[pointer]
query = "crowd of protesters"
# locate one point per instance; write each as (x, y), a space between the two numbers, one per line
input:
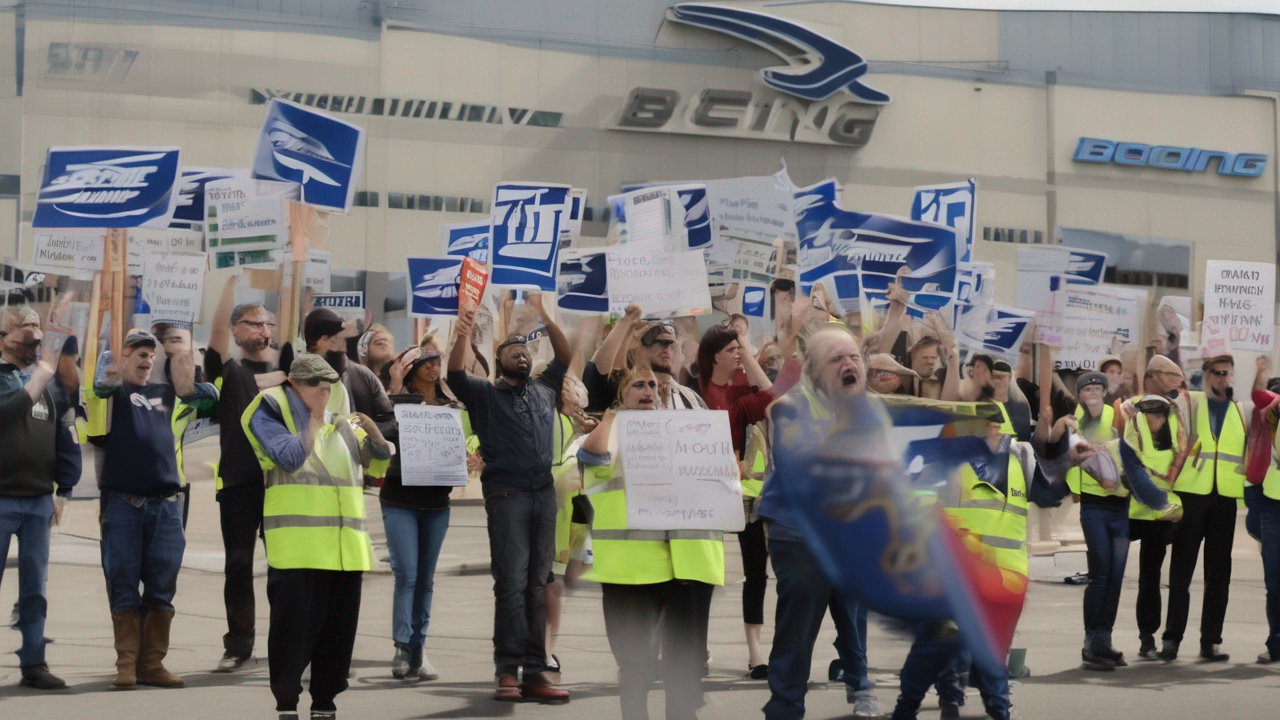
(305, 432)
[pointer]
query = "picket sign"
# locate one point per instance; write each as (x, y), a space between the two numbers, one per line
(1240, 297)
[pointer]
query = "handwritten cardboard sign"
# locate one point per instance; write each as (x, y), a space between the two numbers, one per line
(1240, 297)
(161, 240)
(432, 447)
(173, 285)
(664, 284)
(680, 470)
(69, 248)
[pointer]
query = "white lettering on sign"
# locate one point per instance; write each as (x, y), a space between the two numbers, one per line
(433, 448)
(1240, 299)
(680, 470)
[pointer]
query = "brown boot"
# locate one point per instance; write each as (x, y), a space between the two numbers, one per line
(155, 645)
(128, 637)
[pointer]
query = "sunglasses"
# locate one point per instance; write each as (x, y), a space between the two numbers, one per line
(1220, 373)
(258, 325)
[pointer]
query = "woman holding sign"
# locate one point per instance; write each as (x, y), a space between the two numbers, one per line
(646, 575)
(416, 518)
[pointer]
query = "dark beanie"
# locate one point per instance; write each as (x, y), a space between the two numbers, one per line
(321, 322)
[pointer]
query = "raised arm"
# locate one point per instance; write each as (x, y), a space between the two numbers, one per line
(559, 343)
(220, 334)
(597, 443)
(616, 339)
(755, 374)
(461, 338)
(1262, 373)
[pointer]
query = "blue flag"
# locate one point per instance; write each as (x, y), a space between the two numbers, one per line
(321, 153)
(525, 242)
(433, 286)
(108, 187)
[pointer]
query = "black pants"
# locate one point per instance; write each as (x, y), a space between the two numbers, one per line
(240, 508)
(522, 546)
(755, 564)
(314, 614)
(1211, 519)
(1155, 537)
(631, 614)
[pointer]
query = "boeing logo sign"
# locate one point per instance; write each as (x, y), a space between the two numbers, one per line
(818, 97)
(1169, 157)
(822, 68)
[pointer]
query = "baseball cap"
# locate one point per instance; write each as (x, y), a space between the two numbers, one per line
(1091, 378)
(309, 366)
(1109, 360)
(426, 357)
(137, 338)
(886, 363)
(1153, 403)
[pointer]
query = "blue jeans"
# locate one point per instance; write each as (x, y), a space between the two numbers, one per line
(29, 519)
(522, 546)
(1106, 535)
(934, 649)
(954, 678)
(804, 594)
(142, 543)
(414, 538)
(1269, 517)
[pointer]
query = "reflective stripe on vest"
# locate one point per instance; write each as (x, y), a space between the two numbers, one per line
(644, 557)
(1271, 483)
(1081, 482)
(998, 520)
(314, 518)
(1137, 435)
(1220, 464)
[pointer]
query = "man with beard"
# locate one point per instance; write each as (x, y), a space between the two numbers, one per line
(40, 459)
(833, 372)
(360, 391)
(515, 419)
(240, 481)
(656, 349)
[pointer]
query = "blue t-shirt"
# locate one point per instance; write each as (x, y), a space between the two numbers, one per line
(141, 455)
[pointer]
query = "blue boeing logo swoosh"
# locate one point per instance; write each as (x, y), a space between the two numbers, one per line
(818, 66)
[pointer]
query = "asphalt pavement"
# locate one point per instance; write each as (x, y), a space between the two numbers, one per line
(460, 643)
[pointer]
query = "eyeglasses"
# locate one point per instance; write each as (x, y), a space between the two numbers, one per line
(255, 325)
(1220, 373)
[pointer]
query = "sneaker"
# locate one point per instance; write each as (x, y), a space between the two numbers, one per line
(291, 715)
(400, 663)
(864, 704)
(427, 671)
(835, 670)
(1267, 658)
(553, 665)
(706, 666)
(39, 677)
(950, 712)
(758, 672)
(1096, 662)
(1213, 653)
(231, 662)
(1114, 655)
(1147, 651)
(324, 714)
(1169, 652)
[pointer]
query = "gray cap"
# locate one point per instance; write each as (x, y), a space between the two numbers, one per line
(312, 367)
(136, 338)
(1091, 378)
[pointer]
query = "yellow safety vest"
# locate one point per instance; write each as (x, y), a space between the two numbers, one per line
(1138, 436)
(314, 517)
(1081, 482)
(644, 557)
(1271, 482)
(97, 423)
(996, 520)
(751, 487)
(561, 437)
(1220, 462)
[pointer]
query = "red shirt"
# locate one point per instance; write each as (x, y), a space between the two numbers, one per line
(750, 406)
(722, 397)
